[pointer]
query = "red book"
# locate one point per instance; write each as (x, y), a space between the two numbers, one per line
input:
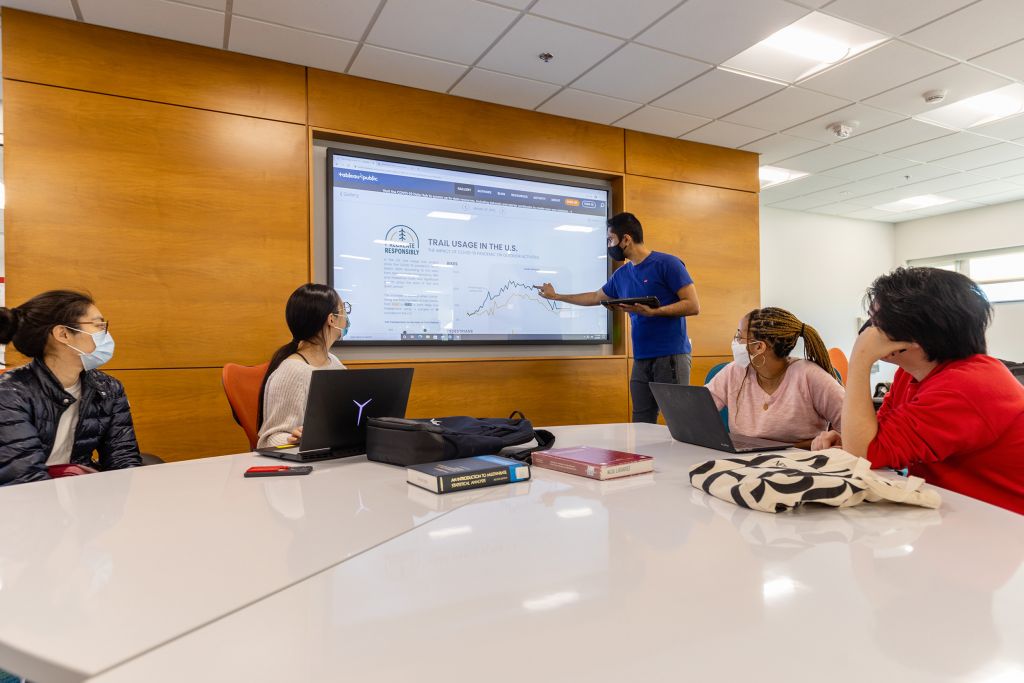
(596, 463)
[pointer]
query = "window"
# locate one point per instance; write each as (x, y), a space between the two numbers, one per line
(1000, 274)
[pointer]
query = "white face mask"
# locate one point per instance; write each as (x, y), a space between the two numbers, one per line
(740, 355)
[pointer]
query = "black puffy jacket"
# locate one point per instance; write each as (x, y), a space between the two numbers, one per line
(31, 403)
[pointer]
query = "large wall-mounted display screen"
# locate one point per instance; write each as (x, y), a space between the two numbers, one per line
(438, 254)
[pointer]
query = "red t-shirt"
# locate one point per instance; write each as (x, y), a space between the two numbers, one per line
(961, 428)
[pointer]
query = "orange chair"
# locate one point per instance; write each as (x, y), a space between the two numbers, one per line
(840, 363)
(242, 387)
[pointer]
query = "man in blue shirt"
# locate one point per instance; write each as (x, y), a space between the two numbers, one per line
(661, 349)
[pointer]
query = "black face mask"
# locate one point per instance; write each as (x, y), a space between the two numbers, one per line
(616, 253)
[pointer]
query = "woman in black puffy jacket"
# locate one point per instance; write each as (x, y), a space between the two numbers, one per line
(59, 409)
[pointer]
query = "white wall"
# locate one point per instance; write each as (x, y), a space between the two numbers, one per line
(991, 227)
(818, 267)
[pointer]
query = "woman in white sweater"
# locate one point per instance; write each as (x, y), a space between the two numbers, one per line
(317, 319)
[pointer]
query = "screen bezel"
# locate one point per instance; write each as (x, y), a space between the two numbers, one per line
(329, 262)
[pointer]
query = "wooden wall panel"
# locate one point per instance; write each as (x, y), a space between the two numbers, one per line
(188, 226)
(550, 391)
(692, 162)
(72, 54)
(715, 232)
(364, 107)
(182, 414)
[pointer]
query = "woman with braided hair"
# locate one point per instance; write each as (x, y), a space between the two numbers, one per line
(770, 395)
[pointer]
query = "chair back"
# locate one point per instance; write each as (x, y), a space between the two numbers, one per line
(840, 363)
(724, 412)
(242, 387)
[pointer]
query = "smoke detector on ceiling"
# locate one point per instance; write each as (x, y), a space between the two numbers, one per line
(842, 129)
(934, 96)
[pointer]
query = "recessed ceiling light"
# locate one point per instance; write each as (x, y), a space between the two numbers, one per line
(978, 110)
(923, 201)
(805, 47)
(575, 228)
(775, 175)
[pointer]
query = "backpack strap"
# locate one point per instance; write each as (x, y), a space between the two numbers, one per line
(545, 440)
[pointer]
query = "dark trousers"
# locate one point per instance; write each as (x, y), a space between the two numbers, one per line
(664, 369)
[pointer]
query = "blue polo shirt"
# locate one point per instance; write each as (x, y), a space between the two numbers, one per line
(660, 275)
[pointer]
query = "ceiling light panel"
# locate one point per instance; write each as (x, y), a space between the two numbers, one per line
(805, 47)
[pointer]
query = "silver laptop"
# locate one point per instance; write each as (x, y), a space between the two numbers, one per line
(692, 417)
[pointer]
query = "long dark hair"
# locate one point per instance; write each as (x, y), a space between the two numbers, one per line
(306, 313)
(29, 325)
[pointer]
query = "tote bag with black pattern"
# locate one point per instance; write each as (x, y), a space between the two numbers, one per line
(779, 482)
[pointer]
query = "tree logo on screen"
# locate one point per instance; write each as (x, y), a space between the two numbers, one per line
(401, 239)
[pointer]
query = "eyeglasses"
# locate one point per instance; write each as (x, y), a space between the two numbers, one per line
(103, 325)
(346, 306)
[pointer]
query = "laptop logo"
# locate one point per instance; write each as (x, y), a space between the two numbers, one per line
(359, 418)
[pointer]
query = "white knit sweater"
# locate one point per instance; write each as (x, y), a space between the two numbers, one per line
(284, 400)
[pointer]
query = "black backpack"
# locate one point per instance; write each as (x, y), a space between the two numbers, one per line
(399, 441)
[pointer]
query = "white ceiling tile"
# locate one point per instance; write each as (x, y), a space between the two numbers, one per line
(867, 118)
(897, 179)
(577, 104)
(866, 168)
(514, 4)
(960, 82)
(617, 76)
(973, 30)
(219, 5)
(726, 134)
(945, 146)
(661, 121)
(777, 147)
(1008, 60)
(453, 30)
(53, 8)
(894, 18)
(799, 204)
(717, 93)
(785, 109)
(945, 184)
(457, 31)
(512, 91)
(986, 188)
(170, 20)
(404, 69)
(1002, 197)
(290, 45)
(823, 159)
(874, 215)
(838, 209)
(715, 30)
(998, 153)
(812, 4)
(839, 193)
(347, 19)
(799, 188)
(575, 50)
(624, 19)
(1005, 129)
(897, 135)
(1007, 169)
(887, 66)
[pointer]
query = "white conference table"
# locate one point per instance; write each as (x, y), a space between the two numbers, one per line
(96, 569)
(643, 579)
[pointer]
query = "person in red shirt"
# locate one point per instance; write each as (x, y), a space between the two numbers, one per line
(954, 416)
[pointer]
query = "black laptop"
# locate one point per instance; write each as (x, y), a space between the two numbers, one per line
(692, 417)
(337, 407)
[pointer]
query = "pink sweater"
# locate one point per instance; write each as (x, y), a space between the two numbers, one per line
(804, 405)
